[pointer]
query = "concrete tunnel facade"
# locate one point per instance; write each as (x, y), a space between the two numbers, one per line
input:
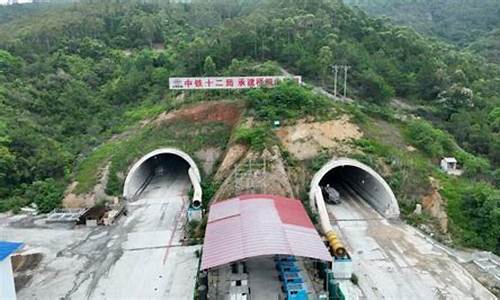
(143, 170)
(361, 178)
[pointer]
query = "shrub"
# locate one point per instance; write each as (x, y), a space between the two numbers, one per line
(46, 194)
(374, 88)
(13, 203)
(256, 137)
(432, 141)
(209, 188)
(482, 206)
(287, 100)
(473, 166)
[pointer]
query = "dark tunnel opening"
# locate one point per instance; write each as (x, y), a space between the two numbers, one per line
(345, 183)
(157, 166)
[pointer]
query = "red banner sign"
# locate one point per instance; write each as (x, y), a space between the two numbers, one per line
(245, 82)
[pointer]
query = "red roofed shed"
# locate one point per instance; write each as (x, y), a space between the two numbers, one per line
(257, 225)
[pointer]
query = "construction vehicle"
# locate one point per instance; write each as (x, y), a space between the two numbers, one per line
(330, 194)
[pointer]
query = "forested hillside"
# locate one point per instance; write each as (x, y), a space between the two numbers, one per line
(72, 76)
(488, 46)
(463, 23)
(456, 21)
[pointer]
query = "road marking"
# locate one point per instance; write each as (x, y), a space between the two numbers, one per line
(174, 229)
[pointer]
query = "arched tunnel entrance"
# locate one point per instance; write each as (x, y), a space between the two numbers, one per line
(165, 162)
(345, 178)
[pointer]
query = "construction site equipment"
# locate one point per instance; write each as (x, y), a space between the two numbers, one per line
(268, 215)
(335, 244)
(287, 267)
(196, 201)
(289, 274)
(334, 291)
(284, 258)
(331, 194)
(295, 291)
(65, 215)
(333, 241)
(291, 277)
(342, 267)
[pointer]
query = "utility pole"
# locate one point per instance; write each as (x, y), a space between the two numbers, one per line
(345, 80)
(335, 70)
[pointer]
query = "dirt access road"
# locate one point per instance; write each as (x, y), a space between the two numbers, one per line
(392, 260)
(140, 257)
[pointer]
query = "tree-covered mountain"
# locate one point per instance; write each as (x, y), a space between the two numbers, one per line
(456, 21)
(488, 46)
(72, 76)
(462, 23)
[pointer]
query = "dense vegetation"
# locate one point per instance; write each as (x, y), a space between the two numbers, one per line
(72, 76)
(456, 21)
(474, 25)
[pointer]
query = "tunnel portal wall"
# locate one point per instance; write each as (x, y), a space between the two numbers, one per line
(140, 173)
(368, 183)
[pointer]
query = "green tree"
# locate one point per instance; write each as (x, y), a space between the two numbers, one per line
(8, 63)
(46, 194)
(374, 88)
(481, 206)
(209, 68)
(494, 119)
(456, 97)
(325, 61)
(433, 142)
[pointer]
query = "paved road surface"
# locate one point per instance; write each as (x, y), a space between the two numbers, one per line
(394, 261)
(138, 258)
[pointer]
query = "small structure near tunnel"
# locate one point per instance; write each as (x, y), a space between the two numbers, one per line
(65, 215)
(7, 288)
(450, 166)
(93, 216)
(247, 234)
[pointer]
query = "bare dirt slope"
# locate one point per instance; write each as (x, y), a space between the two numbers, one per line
(227, 112)
(306, 140)
(259, 173)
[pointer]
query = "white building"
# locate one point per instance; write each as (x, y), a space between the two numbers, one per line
(449, 165)
(7, 288)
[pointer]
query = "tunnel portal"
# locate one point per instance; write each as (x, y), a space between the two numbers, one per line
(350, 176)
(162, 162)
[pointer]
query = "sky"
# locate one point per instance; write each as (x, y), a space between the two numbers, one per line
(19, 1)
